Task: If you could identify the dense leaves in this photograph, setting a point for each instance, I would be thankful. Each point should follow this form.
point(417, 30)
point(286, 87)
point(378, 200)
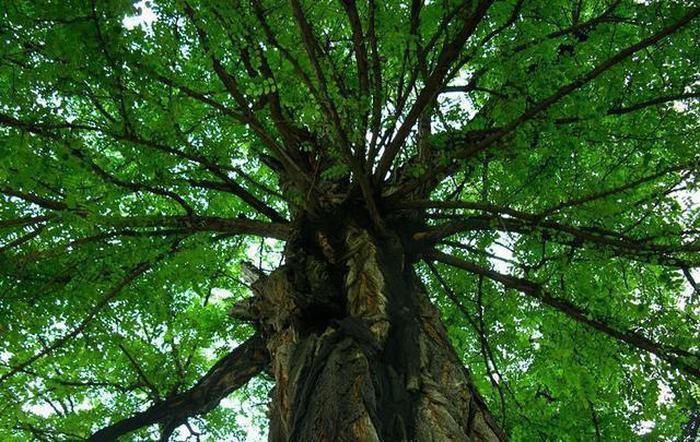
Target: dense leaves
point(148, 149)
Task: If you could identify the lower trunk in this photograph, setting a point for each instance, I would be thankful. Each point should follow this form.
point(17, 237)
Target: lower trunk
point(358, 351)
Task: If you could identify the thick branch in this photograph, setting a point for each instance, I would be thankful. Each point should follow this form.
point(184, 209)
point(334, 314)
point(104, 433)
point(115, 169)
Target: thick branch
point(219, 171)
point(40, 201)
point(187, 224)
point(238, 190)
point(652, 102)
point(311, 45)
point(359, 46)
point(24, 221)
point(433, 84)
point(468, 147)
point(536, 291)
point(247, 116)
point(133, 186)
point(377, 99)
point(200, 224)
point(21, 240)
point(524, 223)
point(615, 190)
point(227, 375)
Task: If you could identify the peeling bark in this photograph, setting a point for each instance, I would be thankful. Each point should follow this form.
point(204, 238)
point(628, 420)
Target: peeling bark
point(358, 351)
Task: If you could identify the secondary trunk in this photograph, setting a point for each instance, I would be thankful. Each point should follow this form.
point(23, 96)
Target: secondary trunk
point(358, 351)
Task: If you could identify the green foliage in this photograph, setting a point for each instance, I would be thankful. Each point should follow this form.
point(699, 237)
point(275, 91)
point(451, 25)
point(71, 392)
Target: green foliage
point(113, 128)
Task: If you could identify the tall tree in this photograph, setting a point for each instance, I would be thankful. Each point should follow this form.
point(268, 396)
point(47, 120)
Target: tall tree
point(416, 220)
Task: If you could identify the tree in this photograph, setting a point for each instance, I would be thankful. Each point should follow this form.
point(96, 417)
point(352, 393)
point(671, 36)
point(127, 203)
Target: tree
point(424, 220)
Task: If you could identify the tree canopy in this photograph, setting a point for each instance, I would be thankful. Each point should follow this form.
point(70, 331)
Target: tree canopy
point(548, 152)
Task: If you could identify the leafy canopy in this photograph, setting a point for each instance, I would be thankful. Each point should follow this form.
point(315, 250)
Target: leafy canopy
point(550, 149)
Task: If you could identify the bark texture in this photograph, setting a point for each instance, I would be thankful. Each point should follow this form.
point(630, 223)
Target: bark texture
point(358, 351)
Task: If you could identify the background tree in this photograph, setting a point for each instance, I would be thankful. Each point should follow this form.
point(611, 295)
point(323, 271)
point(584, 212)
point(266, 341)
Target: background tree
point(416, 187)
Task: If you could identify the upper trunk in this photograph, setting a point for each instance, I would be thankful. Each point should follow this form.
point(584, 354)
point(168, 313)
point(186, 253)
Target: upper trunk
point(358, 351)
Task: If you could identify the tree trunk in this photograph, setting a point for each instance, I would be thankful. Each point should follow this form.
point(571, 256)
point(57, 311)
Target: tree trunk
point(358, 351)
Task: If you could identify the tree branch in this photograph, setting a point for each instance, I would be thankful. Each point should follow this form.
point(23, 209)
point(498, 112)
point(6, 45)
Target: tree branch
point(524, 223)
point(433, 84)
point(227, 375)
point(361, 59)
point(233, 187)
point(193, 224)
point(622, 110)
point(311, 44)
point(46, 203)
point(593, 74)
point(246, 117)
point(133, 186)
point(107, 297)
point(478, 325)
point(466, 146)
point(577, 314)
point(44, 129)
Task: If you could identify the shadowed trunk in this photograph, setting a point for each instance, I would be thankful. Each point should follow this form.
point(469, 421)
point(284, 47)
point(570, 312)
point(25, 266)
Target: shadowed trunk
point(358, 351)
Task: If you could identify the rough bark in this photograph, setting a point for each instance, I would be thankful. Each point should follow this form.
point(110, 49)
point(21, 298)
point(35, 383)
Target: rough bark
point(358, 351)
